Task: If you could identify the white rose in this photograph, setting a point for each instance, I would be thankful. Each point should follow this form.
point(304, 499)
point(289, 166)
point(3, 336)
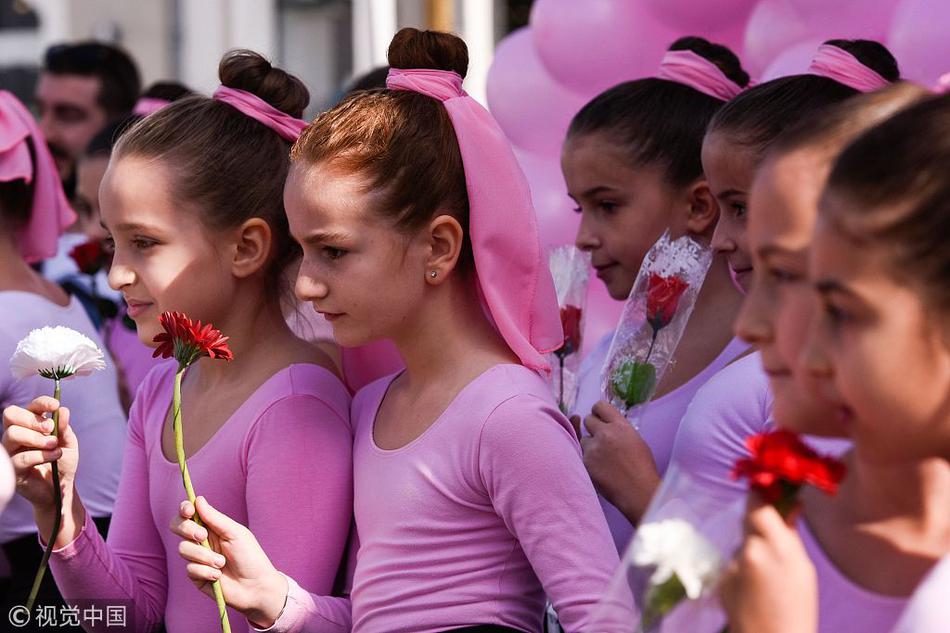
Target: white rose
point(56, 352)
point(673, 546)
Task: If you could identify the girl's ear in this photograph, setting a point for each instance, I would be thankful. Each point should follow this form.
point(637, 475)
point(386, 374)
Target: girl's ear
point(251, 247)
point(703, 209)
point(445, 245)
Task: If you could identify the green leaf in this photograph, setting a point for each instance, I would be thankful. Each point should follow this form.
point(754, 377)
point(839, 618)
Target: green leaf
point(660, 600)
point(633, 382)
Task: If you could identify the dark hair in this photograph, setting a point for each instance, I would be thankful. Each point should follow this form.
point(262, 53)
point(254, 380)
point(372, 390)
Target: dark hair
point(231, 165)
point(402, 141)
point(118, 76)
point(756, 117)
point(660, 121)
point(896, 182)
point(167, 90)
point(106, 138)
point(375, 78)
point(841, 123)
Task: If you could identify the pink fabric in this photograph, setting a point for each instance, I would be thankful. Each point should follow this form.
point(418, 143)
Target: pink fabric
point(149, 105)
point(51, 213)
point(838, 64)
point(697, 72)
point(929, 608)
point(474, 521)
point(513, 277)
point(280, 465)
point(249, 104)
point(843, 606)
point(943, 84)
point(658, 424)
point(133, 359)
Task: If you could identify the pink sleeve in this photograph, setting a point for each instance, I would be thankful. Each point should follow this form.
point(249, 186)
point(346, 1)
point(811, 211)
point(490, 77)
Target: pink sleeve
point(300, 505)
point(132, 566)
point(532, 468)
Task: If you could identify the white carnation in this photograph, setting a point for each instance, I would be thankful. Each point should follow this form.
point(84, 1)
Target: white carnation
point(674, 546)
point(56, 352)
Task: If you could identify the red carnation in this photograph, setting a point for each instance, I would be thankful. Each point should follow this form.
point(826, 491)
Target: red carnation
point(571, 324)
point(89, 257)
point(663, 297)
point(188, 341)
point(781, 463)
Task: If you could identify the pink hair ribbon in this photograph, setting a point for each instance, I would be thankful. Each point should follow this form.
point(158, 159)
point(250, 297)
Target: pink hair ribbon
point(514, 281)
point(697, 72)
point(840, 65)
point(51, 213)
point(149, 105)
point(249, 104)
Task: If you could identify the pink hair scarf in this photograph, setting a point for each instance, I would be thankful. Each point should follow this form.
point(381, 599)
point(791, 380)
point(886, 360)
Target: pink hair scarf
point(840, 65)
point(50, 214)
point(514, 281)
point(249, 104)
point(697, 72)
point(149, 105)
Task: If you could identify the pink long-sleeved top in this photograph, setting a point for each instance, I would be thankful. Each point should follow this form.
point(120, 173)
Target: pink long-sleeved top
point(476, 519)
point(281, 465)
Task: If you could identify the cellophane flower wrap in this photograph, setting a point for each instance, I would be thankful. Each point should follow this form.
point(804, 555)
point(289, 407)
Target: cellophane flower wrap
point(668, 576)
point(570, 268)
point(653, 320)
point(57, 354)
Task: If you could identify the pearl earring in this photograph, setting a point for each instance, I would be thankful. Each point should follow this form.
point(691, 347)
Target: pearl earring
point(434, 274)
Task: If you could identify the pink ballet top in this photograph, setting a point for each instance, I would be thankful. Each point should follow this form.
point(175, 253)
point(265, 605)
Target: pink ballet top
point(280, 465)
point(659, 423)
point(844, 607)
point(132, 357)
point(929, 608)
point(476, 519)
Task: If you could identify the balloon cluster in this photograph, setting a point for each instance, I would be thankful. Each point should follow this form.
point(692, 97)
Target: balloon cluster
point(571, 51)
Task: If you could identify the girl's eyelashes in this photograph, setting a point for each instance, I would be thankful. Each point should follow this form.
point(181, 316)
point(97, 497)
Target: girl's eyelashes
point(143, 243)
point(837, 316)
point(108, 245)
point(782, 276)
point(607, 206)
point(739, 210)
point(332, 253)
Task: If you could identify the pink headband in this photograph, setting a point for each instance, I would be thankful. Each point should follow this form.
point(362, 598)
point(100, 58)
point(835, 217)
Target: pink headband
point(148, 105)
point(514, 281)
point(697, 72)
point(838, 64)
point(288, 127)
point(50, 214)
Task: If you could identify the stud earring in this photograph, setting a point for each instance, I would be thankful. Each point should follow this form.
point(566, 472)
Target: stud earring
point(434, 274)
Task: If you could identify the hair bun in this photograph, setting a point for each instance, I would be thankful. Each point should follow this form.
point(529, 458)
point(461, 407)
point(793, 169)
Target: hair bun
point(727, 61)
point(872, 54)
point(412, 48)
point(246, 70)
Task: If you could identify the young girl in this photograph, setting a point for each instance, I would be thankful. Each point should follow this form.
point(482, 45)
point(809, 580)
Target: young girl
point(874, 541)
point(33, 214)
point(632, 163)
point(471, 499)
point(737, 402)
point(192, 200)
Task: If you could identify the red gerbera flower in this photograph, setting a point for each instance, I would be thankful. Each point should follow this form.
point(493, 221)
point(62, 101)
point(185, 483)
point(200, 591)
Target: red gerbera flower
point(663, 297)
point(188, 341)
point(89, 257)
point(781, 463)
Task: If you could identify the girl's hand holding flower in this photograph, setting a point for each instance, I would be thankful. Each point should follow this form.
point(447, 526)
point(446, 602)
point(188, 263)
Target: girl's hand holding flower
point(249, 580)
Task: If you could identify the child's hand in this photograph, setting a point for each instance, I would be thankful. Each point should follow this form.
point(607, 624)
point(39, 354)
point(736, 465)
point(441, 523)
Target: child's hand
point(770, 585)
point(249, 581)
point(619, 462)
point(27, 439)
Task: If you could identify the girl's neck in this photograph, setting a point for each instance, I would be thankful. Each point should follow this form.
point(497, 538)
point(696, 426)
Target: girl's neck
point(450, 336)
point(919, 490)
point(16, 274)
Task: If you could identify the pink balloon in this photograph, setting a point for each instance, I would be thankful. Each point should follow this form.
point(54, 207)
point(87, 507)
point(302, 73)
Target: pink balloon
point(846, 19)
point(531, 107)
point(792, 61)
point(773, 27)
point(591, 45)
point(920, 40)
point(696, 16)
point(557, 221)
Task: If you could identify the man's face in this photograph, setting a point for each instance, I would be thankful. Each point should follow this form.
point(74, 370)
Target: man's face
point(70, 116)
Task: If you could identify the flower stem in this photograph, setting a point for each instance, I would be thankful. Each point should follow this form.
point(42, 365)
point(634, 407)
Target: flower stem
point(57, 521)
point(560, 398)
point(190, 491)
